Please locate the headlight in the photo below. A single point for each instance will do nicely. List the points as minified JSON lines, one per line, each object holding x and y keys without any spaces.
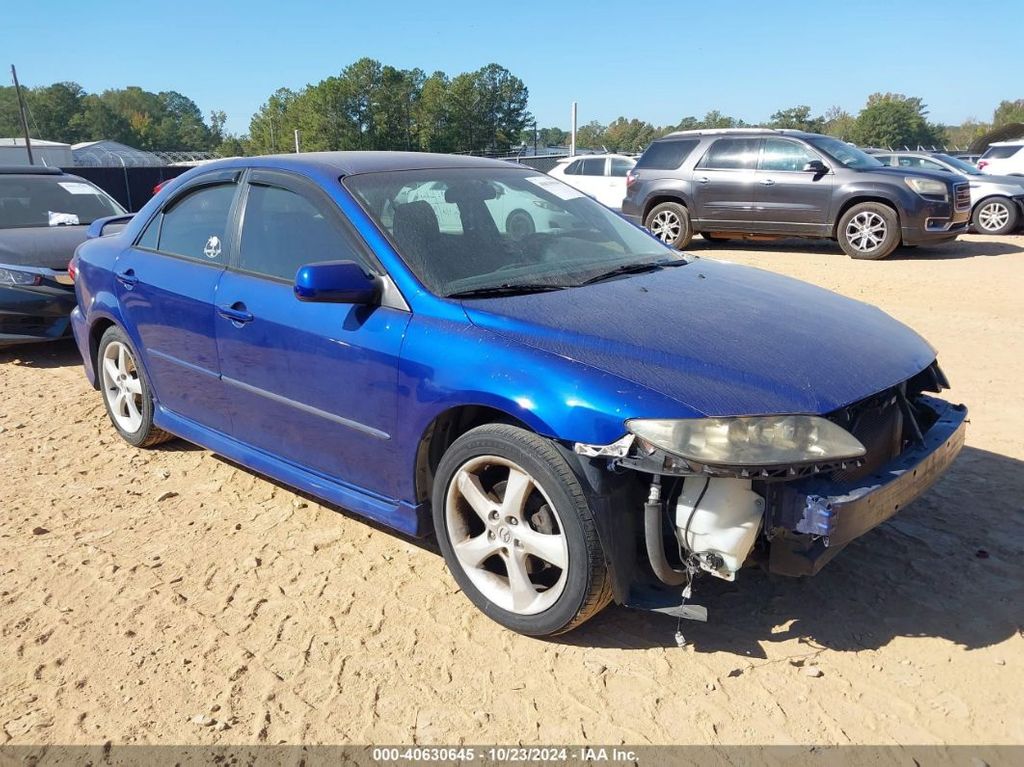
{"x":750,"y":440}
{"x":927,"y":187}
{"x":16,"y":277}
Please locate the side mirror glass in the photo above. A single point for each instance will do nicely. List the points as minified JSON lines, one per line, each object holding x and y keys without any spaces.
{"x":816,"y":167}
{"x":336,"y":282}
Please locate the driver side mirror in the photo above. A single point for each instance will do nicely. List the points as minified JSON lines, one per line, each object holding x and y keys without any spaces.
{"x":816,"y":167}
{"x":336,"y":282}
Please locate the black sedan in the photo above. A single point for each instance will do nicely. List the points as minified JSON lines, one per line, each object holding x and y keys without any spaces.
{"x":44,"y":216}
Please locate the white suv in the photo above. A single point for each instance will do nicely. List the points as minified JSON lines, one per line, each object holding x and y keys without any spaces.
{"x":1003,"y":158}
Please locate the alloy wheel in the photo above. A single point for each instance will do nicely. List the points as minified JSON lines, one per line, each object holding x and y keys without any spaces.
{"x":506,"y":535}
{"x":122,"y":386}
{"x":993,"y":216}
{"x":866,"y":231}
{"x":666,"y":226}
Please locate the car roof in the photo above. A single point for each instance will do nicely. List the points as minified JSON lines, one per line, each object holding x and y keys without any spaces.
{"x":29,"y":170}
{"x":352,"y":163}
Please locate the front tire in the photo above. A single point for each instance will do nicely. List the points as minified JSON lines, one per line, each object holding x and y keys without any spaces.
{"x":126,"y":392}
{"x":995,"y":215}
{"x":869,"y":230}
{"x":670,"y":223}
{"x":516,"y":531}
{"x":519,"y":225}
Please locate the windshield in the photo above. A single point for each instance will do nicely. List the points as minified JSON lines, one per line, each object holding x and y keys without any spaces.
{"x":959,"y":165}
{"x":843,"y":153}
{"x":474,"y":230}
{"x":31,"y":201}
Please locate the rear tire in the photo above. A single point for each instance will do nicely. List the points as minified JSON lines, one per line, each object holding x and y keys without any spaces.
{"x":125,"y":389}
{"x":869,"y":231}
{"x":516,"y":531}
{"x":995,"y":215}
{"x":670,"y":223}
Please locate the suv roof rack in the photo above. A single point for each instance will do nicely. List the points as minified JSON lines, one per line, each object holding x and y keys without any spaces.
{"x":30,"y":170}
{"x":716,"y":131}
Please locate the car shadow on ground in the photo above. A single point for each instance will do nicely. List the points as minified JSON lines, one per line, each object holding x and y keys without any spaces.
{"x":947,"y":567}
{"x":51,"y":354}
{"x":964,"y":247}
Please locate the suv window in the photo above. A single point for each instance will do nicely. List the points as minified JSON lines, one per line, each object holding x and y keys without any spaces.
{"x":1001,"y":152}
{"x":593,"y":167}
{"x":573,"y":168}
{"x":918,"y":162}
{"x":666,"y":155}
{"x":283,"y":230}
{"x":780,"y":154}
{"x":621,"y":167}
{"x":195,"y":226}
{"x":732,"y":154}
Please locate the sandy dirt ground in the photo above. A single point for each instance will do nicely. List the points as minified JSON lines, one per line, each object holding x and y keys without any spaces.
{"x":140,"y":590}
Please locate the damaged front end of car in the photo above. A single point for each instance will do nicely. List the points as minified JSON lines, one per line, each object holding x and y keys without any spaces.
{"x":787,"y":492}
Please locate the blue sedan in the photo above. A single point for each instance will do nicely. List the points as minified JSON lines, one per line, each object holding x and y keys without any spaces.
{"x":470,"y":348}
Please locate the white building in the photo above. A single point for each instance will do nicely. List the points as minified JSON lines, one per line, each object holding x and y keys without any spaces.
{"x":51,"y":153}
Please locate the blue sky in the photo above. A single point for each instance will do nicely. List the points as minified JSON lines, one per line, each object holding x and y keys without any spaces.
{"x":658,"y":61}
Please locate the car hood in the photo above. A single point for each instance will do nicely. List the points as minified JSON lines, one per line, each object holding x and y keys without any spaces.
{"x":720,"y":338}
{"x":937,"y":175}
{"x":49,"y":247}
{"x":1014,"y":184}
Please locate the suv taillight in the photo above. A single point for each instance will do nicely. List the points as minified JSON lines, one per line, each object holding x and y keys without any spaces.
{"x":982,"y":164}
{"x":630,"y":179}
{"x":73,"y":268}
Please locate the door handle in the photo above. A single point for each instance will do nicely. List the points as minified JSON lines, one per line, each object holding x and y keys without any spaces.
{"x":127,"y":278}
{"x":236,"y":313}
{"x":703,"y":180}
{"x":767,"y":182}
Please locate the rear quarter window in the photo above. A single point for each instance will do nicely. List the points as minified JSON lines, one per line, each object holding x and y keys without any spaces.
{"x":666,"y":155}
{"x":1001,"y":152}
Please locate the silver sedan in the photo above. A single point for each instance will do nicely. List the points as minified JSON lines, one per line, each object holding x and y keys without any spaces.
{"x":997,"y":202}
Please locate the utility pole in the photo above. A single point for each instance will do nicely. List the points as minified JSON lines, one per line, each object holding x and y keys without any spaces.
{"x":534,"y":138}
{"x":572,"y":139}
{"x":24,"y":120}
{"x":297,"y":141}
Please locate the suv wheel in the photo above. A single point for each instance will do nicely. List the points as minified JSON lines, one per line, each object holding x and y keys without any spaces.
{"x":670,"y":223}
{"x":517,"y":533}
{"x":996,"y":215}
{"x":869,"y":230}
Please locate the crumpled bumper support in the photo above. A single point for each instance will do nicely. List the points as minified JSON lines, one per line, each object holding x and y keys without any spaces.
{"x":813,"y":519}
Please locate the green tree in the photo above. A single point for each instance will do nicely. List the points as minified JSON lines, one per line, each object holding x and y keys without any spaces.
{"x":591,"y":135}
{"x":894,"y":120}
{"x":838,"y":122}
{"x":624,"y":135}
{"x":1008,"y":112}
{"x":797,"y":118}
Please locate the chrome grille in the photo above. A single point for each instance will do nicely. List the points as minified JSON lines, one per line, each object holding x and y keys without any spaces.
{"x":962,"y":195}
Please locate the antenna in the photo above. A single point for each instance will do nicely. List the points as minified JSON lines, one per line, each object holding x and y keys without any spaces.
{"x":21,"y":111}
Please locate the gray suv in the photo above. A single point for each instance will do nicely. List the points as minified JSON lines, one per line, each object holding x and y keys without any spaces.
{"x":759,"y":182}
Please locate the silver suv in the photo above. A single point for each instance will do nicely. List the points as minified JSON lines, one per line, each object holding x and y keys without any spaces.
{"x":780,"y":183}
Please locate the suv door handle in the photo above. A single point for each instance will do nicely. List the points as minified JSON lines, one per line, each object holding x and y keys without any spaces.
{"x":236,"y":313}
{"x":703,"y":180}
{"x":127,"y":278}
{"x":767,"y":182}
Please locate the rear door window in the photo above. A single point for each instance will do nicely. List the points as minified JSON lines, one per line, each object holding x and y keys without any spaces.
{"x":195,"y":225}
{"x":732,"y":154}
{"x":593,"y":167}
{"x":666,"y":155}
{"x":573,"y":168}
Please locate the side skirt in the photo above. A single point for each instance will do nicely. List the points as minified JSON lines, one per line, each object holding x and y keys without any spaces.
{"x":399,"y":515}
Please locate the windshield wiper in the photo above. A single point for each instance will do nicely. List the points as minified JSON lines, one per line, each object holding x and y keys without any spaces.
{"x":632,"y":269}
{"x":509,"y":289}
